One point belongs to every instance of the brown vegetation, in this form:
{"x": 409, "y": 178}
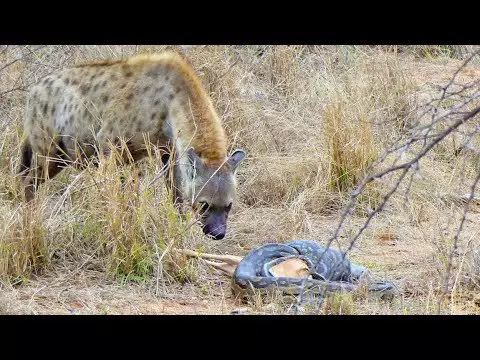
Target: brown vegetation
{"x": 312, "y": 120}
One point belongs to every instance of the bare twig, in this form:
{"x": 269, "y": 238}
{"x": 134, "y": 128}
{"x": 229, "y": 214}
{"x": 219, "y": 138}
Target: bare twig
{"x": 424, "y": 138}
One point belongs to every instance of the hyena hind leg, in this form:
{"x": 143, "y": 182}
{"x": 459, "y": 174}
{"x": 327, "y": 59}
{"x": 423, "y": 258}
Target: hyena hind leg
{"x": 33, "y": 170}
{"x": 27, "y": 183}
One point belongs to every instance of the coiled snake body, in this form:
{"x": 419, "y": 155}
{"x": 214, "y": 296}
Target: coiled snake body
{"x": 324, "y": 270}
{"x": 329, "y": 270}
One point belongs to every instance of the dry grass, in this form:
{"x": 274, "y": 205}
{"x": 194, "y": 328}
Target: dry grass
{"x": 312, "y": 119}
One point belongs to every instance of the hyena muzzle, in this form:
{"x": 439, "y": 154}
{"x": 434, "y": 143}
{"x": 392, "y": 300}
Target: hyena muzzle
{"x": 77, "y": 113}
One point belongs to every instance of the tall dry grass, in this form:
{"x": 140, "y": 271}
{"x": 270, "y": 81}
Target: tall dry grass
{"x": 311, "y": 118}
{"x": 307, "y": 116}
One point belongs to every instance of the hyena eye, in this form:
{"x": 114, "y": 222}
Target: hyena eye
{"x": 203, "y": 207}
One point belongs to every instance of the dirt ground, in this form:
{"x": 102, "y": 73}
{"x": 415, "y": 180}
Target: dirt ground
{"x": 404, "y": 255}
{"x": 394, "y": 247}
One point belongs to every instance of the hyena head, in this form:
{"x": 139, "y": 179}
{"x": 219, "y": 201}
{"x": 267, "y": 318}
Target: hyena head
{"x": 212, "y": 190}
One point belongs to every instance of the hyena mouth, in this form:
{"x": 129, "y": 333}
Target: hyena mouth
{"x": 216, "y": 237}
{"x": 216, "y": 233}
{"x": 219, "y": 236}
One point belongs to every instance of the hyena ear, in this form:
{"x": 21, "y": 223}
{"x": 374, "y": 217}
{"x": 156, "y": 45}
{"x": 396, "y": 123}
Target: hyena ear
{"x": 194, "y": 160}
{"x": 236, "y": 158}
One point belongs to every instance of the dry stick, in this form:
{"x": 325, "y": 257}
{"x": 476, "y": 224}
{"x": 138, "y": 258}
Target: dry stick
{"x": 231, "y": 66}
{"x": 160, "y": 174}
{"x": 438, "y": 119}
{"x": 406, "y": 167}
{"x": 452, "y": 111}
{"x": 455, "y": 244}
{"x": 370, "y": 217}
{"x": 20, "y": 58}
{"x": 461, "y": 266}
{"x": 67, "y": 192}
{"x": 25, "y": 87}
{"x": 440, "y": 137}
{"x": 444, "y": 89}
{"x": 475, "y": 53}
{"x": 32, "y": 52}
{"x": 159, "y": 269}
{"x": 410, "y": 182}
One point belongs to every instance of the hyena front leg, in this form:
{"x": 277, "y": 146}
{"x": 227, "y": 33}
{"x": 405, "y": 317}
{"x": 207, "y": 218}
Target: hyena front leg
{"x": 173, "y": 180}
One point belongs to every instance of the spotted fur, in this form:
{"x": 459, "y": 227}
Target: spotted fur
{"x": 77, "y": 113}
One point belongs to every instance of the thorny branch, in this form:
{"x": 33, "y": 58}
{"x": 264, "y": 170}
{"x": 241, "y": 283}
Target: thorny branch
{"x": 455, "y": 244}
{"x": 421, "y": 139}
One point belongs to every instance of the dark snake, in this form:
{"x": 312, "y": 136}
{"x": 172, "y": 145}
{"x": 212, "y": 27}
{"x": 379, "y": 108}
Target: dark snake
{"x": 330, "y": 270}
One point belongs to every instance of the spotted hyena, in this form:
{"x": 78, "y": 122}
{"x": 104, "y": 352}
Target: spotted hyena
{"x": 79, "y": 112}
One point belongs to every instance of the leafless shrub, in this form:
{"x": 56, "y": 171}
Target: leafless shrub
{"x": 454, "y": 111}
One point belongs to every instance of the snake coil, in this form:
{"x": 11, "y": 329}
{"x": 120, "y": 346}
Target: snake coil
{"x": 329, "y": 269}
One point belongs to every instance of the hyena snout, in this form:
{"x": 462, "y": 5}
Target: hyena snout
{"x": 215, "y": 226}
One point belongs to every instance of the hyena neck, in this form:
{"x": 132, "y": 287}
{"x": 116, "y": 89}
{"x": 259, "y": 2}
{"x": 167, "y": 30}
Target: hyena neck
{"x": 195, "y": 120}
{"x": 192, "y": 121}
